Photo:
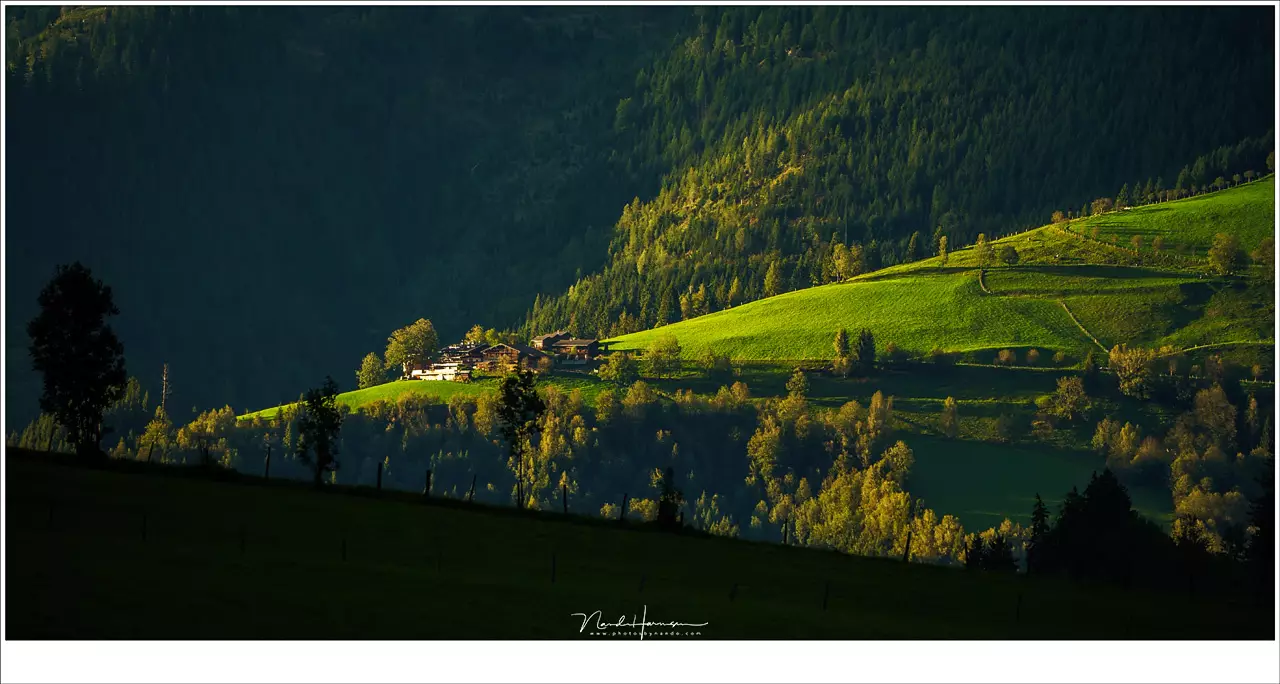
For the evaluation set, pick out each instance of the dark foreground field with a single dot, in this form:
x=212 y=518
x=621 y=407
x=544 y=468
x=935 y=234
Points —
x=157 y=555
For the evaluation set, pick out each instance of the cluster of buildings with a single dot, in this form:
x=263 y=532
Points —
x=457 y=361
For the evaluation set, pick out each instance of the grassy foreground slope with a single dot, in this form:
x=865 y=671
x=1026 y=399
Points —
x=1113 y=291
x=149 y=555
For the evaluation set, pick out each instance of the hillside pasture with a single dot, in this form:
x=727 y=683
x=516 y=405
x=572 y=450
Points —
x=1247 y=210
x=916 y=311
x=442 y=391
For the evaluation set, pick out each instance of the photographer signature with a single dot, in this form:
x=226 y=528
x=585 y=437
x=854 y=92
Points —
x=668 y=628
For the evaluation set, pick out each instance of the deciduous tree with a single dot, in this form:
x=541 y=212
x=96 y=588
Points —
x=78 y=354
x=412 y=344
x=519 y=409
x=319 y=422
x=1225 y=256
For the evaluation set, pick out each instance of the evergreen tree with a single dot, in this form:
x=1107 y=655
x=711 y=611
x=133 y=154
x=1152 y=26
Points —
x=1039 y=530
x=773 y=279
x=372 y=371
x=864 y=355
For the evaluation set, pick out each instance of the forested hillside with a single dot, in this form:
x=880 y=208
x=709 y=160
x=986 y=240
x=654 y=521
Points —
x=785 y=132
x=270 y=190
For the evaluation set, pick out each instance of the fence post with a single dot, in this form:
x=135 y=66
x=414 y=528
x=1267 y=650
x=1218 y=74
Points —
x=622 y=512
x=426 y=492
x=151 y=446
x=471 y=495
x=266 y=472
x=564 y=497
x=906 y=553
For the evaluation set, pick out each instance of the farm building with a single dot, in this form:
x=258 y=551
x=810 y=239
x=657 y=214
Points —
x=501 y=356
x=452 y=372
x=548 y=341
x=576 y=351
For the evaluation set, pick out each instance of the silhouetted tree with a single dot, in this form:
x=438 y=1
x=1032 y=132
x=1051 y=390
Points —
x=998 y=556
x=78 y=354
x=669 y=501
x=1039 y=529
x=864 y=355
x=1260 y=553
x=319 y=422
x=519 y=408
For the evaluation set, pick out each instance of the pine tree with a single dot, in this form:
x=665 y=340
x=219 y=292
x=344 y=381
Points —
x=864 y=355
x=1039 y=532
x=773 y=279
x=913 y=247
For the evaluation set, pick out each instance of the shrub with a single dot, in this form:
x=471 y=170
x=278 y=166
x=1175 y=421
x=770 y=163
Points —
x=1005 y=428
x=1006 y=357
x=1033 y=357
x=1060 y=357
x=894 y=355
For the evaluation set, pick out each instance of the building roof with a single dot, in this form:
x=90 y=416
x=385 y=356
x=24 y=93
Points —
x=558 y=333
x=575 y=342
x=522 y=348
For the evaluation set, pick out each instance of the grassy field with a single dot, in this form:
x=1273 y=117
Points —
x=1247 y=210
x=927 y=304
x=95 y=554
x=441 y=391
x=916 y=311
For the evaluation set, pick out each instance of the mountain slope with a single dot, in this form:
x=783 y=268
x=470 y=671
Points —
x=270 y=191
x=926 y=305
x=791 y=129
